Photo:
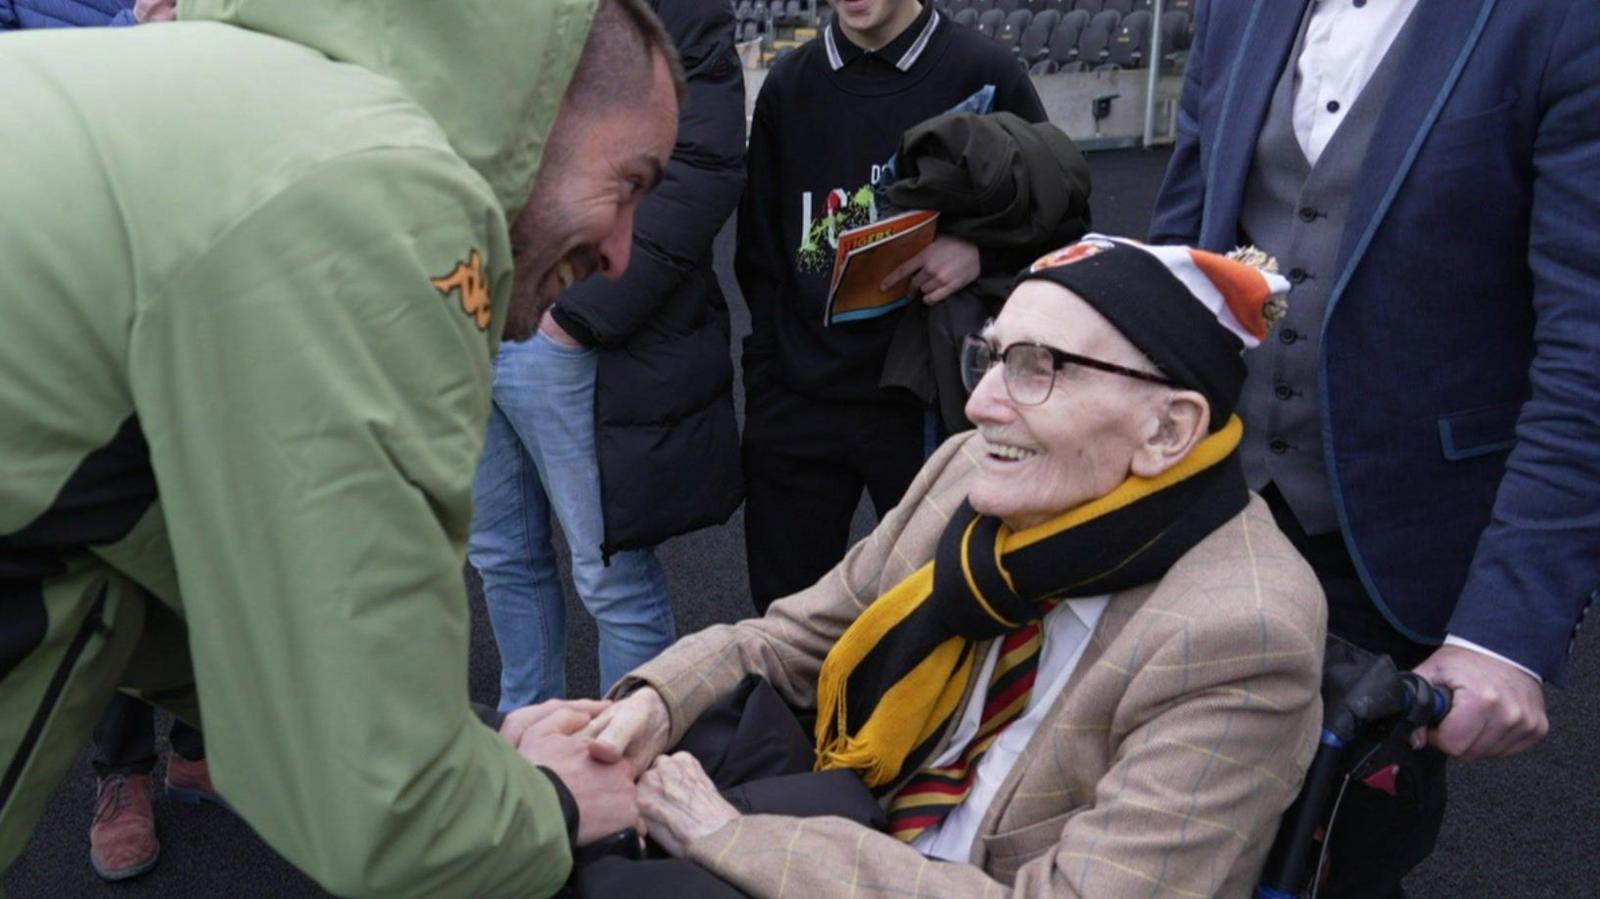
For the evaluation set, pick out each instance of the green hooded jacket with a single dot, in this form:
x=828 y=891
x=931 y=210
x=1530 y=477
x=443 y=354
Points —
x=254 y=273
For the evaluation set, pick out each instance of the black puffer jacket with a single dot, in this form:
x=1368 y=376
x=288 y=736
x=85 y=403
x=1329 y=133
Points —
x=664 y=427
x=1016 y=189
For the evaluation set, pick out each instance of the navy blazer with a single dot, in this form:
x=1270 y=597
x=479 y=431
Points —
x=20 y=14
x=1460 y=374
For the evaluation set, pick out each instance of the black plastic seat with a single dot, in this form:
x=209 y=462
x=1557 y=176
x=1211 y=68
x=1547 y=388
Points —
x=1176 y=35
x=1010 y=33
x=989 y=23
x=1062 y=48
x=1034 y=45
x=1130 y=46
x=1089 y=6
x=967 y=18
x=1095 y=41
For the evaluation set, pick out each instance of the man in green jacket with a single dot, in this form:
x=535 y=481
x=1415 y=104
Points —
x=244 y=377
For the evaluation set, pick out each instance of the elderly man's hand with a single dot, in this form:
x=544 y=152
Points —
x=605 y=793
x=1497 y=710
x=944 y=267
x=680 y=804
x=635 y=728
x=557 y=716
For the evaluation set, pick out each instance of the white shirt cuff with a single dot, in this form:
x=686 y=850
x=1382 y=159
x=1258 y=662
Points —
x=1453 y=640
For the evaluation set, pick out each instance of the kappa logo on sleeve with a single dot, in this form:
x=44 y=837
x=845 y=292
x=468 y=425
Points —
x=468 y=278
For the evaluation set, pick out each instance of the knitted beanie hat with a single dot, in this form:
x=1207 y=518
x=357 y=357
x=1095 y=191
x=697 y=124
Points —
x=1192 y=312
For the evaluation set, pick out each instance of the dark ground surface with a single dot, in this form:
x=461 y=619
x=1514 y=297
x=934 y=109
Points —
x=1524 y=827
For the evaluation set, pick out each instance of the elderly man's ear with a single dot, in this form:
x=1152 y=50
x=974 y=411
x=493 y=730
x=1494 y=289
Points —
x=1175 y=423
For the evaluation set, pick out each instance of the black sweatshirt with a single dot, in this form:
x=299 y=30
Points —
x=828 y=116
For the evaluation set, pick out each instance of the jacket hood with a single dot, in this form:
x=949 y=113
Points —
x=490 y=72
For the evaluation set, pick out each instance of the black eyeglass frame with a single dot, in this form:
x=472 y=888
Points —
x=1058 y=359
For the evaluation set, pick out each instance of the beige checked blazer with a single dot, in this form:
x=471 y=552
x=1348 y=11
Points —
x=1162 y=769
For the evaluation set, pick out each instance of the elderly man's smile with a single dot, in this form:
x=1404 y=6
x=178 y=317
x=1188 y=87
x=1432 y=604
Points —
x=1001 y=451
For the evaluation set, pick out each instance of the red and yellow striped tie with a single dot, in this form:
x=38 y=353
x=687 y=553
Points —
x=931 y=793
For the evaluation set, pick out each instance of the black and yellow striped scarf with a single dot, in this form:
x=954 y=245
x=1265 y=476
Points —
x=897 y=675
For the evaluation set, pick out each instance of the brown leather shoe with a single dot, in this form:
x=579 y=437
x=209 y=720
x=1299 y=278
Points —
x=190 y=782
x=122 y=839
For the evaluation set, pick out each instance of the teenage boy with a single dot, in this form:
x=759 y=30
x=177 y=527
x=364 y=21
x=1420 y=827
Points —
x=818 y=428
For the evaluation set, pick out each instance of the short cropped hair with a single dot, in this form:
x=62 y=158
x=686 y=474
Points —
x=618 y=58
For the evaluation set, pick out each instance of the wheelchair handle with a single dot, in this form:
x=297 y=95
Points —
x=1443 y=697
x=1430 y=703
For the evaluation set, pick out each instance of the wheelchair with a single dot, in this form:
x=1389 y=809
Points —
x=1369 y=706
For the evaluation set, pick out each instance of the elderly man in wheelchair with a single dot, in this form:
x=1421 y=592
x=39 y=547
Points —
x=1079 y=659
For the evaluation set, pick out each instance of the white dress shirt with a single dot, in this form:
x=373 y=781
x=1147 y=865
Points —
x=1345 y=42
x=1065 y=635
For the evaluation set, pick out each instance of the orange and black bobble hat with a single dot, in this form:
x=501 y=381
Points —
x=1192 y=312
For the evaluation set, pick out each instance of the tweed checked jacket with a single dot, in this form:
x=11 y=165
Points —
x=1161 y=770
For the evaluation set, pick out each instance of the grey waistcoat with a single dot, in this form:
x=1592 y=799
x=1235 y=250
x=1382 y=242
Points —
x=1296 y=213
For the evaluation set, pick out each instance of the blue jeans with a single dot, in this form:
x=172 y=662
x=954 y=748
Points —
x=539 y=458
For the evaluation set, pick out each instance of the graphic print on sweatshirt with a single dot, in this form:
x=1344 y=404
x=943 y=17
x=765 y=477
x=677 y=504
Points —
x=840 y=212
x=843 y=210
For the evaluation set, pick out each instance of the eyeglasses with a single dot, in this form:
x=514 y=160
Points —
x=1030 y=368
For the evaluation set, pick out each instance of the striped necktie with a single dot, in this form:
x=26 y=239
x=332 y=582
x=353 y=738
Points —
x=932 y=792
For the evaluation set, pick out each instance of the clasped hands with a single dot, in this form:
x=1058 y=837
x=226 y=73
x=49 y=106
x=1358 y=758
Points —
x=609 y=755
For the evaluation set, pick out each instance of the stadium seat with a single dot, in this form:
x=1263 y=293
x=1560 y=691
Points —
x=1184 y=5
x=1034 y=48
x=1089 y=6
x=1060 y=6
x=989 y=23
x=1008 y=6
x=1122 y=6
x=1062 y=48
x=1175 y=35
x=747 y=31
x=967 y=18
x=1010 y=33
x=1131 y=45
x=1095 y=41
x=1037 y=6
x=956 y=7
x=1178 y=31
x=982 y=6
